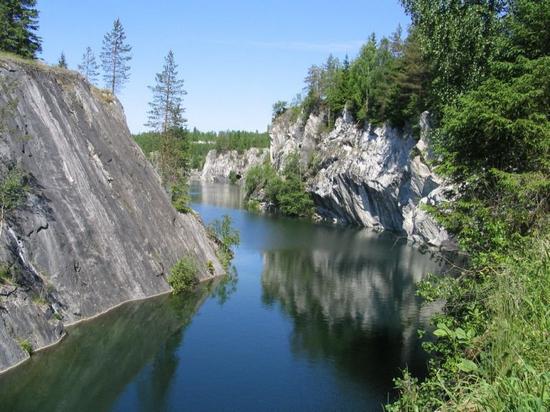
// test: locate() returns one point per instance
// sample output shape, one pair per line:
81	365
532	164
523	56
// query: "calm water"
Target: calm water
320	318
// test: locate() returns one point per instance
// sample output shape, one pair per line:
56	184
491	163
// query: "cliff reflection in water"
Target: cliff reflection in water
351	296
96	362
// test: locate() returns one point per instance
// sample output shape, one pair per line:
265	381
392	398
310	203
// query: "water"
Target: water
321	318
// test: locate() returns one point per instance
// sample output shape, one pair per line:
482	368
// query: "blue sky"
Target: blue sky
236	57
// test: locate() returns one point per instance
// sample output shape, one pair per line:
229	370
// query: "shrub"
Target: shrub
228	237
287	192
253	206
183	276
26	346
180	196
5	273
233	177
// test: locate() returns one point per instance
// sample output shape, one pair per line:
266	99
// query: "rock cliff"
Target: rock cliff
374	176
95	228
218	166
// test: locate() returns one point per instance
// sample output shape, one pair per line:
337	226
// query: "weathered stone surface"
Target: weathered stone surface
218	166
96	228
374	176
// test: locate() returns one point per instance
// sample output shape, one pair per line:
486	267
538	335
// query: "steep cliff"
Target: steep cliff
373	176
219	165
95	228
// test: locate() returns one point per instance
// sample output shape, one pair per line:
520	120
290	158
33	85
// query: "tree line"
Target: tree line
386	82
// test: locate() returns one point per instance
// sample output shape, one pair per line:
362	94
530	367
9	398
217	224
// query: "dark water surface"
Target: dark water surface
321	318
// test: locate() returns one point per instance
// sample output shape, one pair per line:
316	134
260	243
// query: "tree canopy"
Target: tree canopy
18	29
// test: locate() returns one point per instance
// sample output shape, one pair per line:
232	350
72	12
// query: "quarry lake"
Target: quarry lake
316	318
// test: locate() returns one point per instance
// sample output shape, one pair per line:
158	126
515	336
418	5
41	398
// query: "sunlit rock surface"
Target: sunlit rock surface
96	228
219	165
374	176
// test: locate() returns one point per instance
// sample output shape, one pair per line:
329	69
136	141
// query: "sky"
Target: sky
236	57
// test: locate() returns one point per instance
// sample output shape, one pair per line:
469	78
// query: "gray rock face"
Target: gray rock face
96	229
218	166
373	177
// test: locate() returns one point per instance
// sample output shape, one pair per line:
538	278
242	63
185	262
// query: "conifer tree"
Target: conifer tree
166	107
115	56
18	26
88	67
62	62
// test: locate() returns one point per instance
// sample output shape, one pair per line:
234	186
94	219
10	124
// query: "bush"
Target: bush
12	189
228	237
5	273
286	193
184	276
26	346
233	177
180	196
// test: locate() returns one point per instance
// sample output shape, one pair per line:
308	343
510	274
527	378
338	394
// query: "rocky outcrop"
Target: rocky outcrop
219	166
374	176
95	229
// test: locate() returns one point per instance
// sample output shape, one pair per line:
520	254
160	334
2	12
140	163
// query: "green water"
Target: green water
319	318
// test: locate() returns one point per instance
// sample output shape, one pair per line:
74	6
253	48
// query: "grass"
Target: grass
504	365
36	64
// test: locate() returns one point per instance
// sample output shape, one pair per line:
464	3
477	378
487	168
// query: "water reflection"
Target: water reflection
98	359
216	194
322	318
351	297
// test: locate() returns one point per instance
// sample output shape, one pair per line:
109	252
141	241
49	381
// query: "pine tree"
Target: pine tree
88	67
19	23
115	56
166	110
62	62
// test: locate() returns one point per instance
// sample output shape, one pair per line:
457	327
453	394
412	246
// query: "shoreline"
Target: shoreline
90	318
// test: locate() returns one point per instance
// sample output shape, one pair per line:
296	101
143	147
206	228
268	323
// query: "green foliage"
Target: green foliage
5	273
184	276
166	107
88	67
233	177
200	143
491	346
279	108
115	58
26	346
12	190
253	205
19	26
180	196
503	123
228	238
62	62
386	82
240	140
286	193
457	38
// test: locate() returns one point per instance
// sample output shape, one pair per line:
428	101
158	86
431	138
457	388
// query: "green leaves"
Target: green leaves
467	366
458	334
18	28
